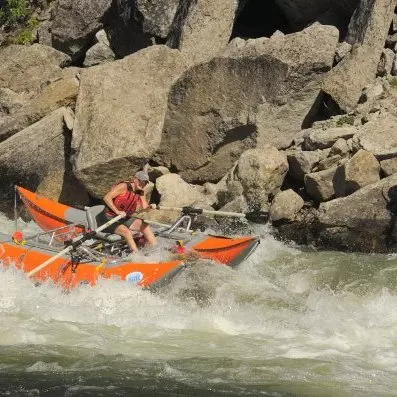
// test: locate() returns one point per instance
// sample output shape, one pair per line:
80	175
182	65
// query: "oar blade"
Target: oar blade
257	217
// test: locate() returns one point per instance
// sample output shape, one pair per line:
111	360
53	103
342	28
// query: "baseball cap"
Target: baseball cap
142	176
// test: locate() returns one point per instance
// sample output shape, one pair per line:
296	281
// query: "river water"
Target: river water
288	322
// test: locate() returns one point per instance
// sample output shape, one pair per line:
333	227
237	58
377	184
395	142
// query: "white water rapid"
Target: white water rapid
288	322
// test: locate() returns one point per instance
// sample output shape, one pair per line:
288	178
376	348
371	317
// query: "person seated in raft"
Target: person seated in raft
126	198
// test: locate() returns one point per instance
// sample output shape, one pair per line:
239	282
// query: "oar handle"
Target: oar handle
71	247
225	214
49	261
108	223
197	211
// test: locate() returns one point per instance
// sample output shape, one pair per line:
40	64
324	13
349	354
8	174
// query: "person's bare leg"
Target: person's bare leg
148	233
144	228
124	232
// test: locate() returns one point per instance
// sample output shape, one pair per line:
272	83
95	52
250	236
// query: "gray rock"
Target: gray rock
62	92
328	162
277	33
321	139
394	67
261	172
120	113
44	35
379	136
175	192
156	172
349	143
301	163
228	188
342	50
101	37
252	95
367	33
361	221
389	166
238	204
10	101
75	25
340	148
285	206
27	68
97	54
361	170
322	185
386	62
205	29
373	92
391	40
31	155
68	118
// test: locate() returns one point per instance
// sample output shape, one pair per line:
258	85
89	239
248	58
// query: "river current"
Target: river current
288	322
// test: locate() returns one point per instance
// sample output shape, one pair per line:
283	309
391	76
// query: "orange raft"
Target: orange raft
103	255
67	273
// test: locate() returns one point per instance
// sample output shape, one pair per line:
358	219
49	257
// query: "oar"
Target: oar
74	243
254	216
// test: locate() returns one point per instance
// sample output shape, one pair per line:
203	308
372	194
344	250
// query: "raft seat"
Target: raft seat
96	218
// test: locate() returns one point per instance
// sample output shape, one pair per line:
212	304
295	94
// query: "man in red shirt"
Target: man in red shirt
126	198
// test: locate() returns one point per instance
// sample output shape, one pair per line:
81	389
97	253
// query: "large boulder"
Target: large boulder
389	166
28	157
285	206
120	115
175	192
75	25
361	170
379	136
203	28
62	92
26	68
227	189
315	138
259	91
261	173
362	221
324	185
302	163
367	33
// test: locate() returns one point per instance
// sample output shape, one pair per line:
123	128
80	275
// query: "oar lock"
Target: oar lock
191	211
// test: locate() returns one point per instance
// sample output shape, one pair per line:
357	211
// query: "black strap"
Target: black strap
129	186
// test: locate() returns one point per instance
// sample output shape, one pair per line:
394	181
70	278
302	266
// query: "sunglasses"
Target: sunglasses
144	183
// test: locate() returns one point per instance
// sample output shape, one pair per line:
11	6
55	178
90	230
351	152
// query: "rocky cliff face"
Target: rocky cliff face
284	106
